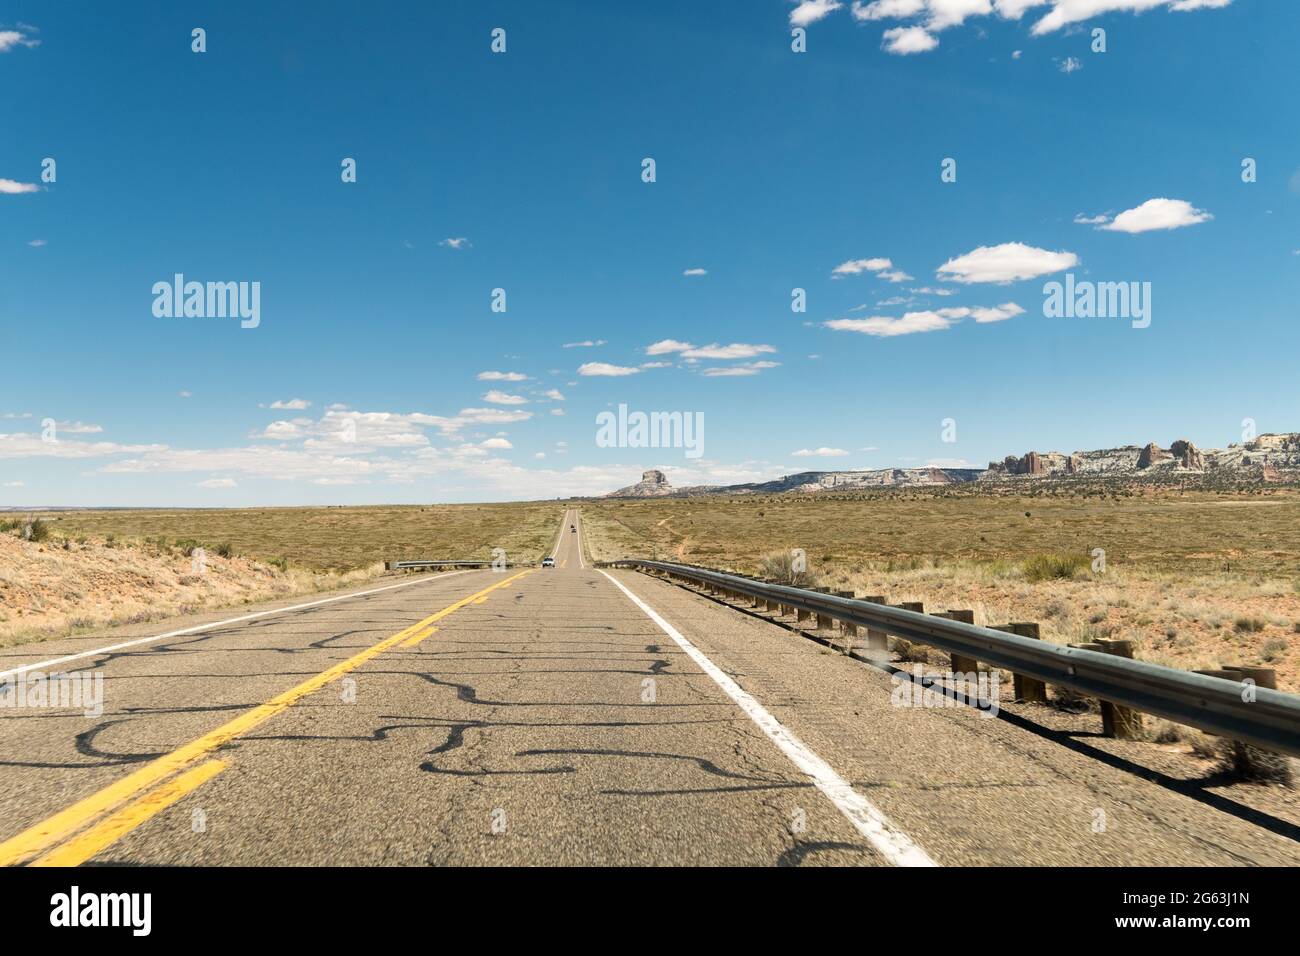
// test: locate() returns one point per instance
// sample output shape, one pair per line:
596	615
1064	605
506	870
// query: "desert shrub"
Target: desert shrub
1054	567
223	550
38	530
779	567
1273	649
1250	764
282	564
1167	732
1249	625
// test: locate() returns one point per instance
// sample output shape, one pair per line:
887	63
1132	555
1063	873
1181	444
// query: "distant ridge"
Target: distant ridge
1269	458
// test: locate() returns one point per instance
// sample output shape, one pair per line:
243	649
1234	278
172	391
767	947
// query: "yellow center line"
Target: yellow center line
65	823
117	825
412	641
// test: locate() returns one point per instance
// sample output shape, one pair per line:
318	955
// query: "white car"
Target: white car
548	562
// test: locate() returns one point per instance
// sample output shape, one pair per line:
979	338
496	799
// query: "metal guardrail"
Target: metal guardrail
467	563
1256	715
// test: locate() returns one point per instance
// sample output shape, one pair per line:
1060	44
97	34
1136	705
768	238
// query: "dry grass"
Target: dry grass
1185	576
102	568
331	538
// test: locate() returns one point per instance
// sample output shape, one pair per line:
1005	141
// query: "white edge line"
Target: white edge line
4	675
884	835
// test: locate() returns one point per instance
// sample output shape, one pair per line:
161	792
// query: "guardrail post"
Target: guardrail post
877	641
961	664
1123	723
1029	689
822	620
849	629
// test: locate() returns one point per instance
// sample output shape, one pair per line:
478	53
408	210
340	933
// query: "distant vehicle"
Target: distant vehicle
573	529
548	562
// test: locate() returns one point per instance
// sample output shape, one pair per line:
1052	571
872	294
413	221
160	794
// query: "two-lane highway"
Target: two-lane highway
564	715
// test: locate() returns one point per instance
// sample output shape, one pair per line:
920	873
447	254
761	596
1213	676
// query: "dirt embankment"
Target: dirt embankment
60	586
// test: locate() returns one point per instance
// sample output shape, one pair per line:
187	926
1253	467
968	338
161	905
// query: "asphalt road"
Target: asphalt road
558	716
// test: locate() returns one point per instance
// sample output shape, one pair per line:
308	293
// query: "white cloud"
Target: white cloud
540	455
951	13
1005	263
13	484
894	275
496	443
37	243
887	9
666	346
1070	64
12	187
218	483
293	404
9	39
822	452
1157	214
932	16
743	368
886	327
656	365
810	11
27	445
948	463
1014	9
853	267
926	290
588	344
501	377
184	393
77	428
1066	12
557	411
1083	220
498	397
696	272
736	350
554	394
928	320
997	313
905	40
604	368
458	243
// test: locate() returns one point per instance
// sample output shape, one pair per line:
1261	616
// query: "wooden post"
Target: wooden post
1117	721
1262	676
961	664
1029	689
822	620
850	629
877	641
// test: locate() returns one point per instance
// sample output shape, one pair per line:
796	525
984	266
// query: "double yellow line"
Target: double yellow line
74	835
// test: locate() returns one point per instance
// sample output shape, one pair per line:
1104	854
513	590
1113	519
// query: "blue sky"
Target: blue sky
773	168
